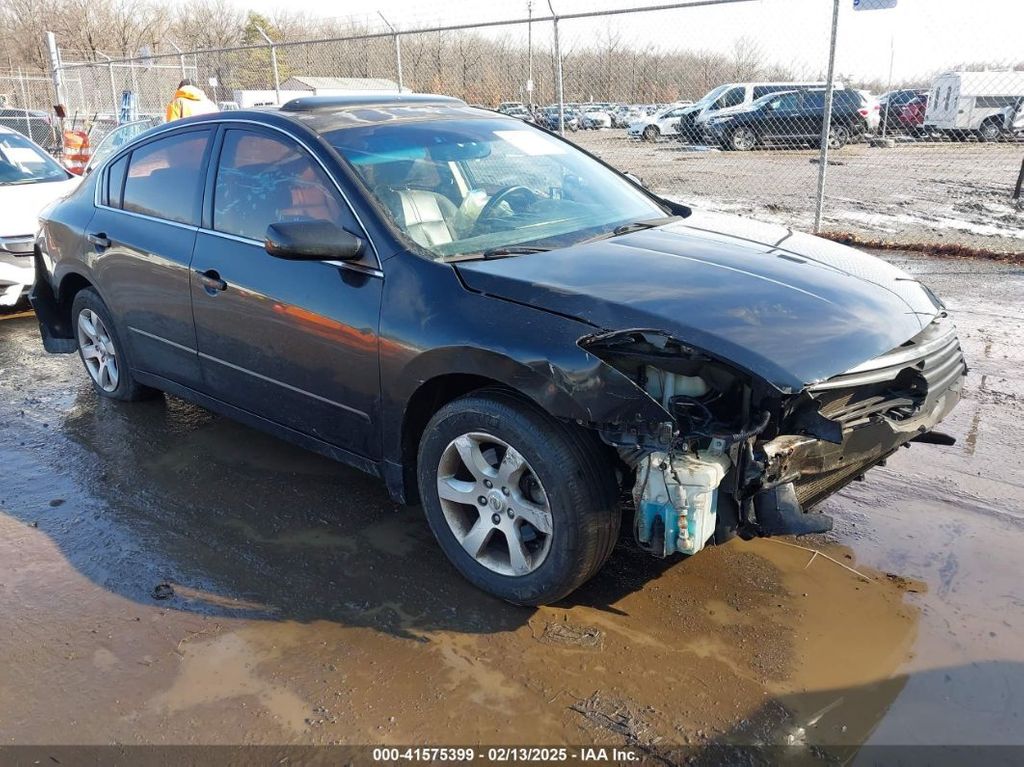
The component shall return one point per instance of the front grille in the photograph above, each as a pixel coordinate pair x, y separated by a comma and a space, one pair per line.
896, 384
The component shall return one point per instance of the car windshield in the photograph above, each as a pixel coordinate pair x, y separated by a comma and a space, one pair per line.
22, 162
461, 187
710, 97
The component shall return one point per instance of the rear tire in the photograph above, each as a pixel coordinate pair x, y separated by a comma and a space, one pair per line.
550, 516
105, 358
989, 131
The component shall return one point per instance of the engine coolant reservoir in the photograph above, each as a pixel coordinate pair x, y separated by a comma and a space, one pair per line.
676, 499
663, 386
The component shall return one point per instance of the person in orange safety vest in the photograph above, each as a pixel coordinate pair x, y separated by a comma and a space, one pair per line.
189, 100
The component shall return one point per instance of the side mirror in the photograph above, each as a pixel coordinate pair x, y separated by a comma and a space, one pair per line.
312, 241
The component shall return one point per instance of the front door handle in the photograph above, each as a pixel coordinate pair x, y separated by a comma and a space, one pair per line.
211, 281
100, 240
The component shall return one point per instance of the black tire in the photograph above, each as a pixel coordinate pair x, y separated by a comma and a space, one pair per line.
651, 133
577, 476
743, 139
990, 130
127, 388
838, 137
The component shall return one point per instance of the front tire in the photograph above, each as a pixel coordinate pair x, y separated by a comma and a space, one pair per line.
651, 133
743, 139
838, 137
525, 506
989, 131
99, 347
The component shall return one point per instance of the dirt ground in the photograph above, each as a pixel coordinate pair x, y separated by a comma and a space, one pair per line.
170, 577
925, 192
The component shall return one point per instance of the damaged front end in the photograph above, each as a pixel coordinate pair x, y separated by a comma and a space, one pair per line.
739, 455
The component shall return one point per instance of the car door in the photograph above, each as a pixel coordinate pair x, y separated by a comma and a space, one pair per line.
147, 216
812, 114
294, 342
781, 116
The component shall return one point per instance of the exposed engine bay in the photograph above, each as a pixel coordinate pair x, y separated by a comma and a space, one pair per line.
737, 455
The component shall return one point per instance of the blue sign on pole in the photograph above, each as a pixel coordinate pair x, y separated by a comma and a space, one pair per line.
873, 5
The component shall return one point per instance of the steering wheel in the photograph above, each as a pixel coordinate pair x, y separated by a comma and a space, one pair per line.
503, 194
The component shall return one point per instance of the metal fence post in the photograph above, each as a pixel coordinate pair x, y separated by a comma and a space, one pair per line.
24, 103
398, 50
558, 73
826, 126
273, 64
56, 71
181, 59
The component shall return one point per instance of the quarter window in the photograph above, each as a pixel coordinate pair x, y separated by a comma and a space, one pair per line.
164, 178
263, 180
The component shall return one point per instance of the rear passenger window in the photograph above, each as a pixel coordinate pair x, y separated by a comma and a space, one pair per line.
816, 99
262, 180
115, 182
164, 177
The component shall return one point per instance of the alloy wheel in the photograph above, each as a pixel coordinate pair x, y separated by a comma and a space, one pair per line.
837, 137
97, 350
494, 504
744, 139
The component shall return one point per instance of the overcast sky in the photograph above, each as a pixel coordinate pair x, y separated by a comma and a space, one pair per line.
927, 34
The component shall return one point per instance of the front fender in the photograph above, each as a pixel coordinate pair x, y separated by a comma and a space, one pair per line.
457, 331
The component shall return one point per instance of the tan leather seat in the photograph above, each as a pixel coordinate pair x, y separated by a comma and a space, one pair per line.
426, 216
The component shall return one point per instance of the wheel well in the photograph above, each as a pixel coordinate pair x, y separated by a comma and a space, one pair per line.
69, 288
425, 401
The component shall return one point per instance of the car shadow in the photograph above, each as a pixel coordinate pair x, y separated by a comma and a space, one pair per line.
165, 503
965, 714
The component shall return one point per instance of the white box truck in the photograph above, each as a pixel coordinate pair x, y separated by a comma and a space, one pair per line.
961, 104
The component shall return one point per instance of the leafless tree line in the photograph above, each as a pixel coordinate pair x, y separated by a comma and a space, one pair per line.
479, 67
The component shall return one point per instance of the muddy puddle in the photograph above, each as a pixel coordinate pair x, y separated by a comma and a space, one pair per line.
303, 607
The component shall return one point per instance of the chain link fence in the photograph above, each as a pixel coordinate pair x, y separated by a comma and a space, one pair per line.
721, 104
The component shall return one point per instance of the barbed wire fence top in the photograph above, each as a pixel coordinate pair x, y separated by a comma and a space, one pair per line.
720, 104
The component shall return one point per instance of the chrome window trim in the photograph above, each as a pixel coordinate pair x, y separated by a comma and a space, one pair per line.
244, 121
147, 217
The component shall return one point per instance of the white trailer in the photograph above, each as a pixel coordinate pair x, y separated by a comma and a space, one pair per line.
962, 103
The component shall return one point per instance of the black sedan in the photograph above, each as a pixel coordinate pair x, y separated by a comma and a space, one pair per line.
497, 324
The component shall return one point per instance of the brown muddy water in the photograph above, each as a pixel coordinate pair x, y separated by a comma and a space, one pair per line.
305, 608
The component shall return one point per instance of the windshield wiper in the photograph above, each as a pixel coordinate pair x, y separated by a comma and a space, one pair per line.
512, 250
635, 226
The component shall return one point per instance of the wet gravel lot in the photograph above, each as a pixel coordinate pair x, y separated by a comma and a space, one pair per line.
168, 576
934, 192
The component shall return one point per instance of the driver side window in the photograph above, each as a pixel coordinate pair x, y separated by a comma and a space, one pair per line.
264, 179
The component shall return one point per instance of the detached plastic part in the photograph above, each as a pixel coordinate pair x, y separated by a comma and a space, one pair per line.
779, 512
676, 500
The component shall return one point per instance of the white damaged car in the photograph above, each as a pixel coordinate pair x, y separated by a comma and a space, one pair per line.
29, 181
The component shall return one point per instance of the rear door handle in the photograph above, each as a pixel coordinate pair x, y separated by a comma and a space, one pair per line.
211, 281
100, 240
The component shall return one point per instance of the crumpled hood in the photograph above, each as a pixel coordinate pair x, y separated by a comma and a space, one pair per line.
21, 204
789, 307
